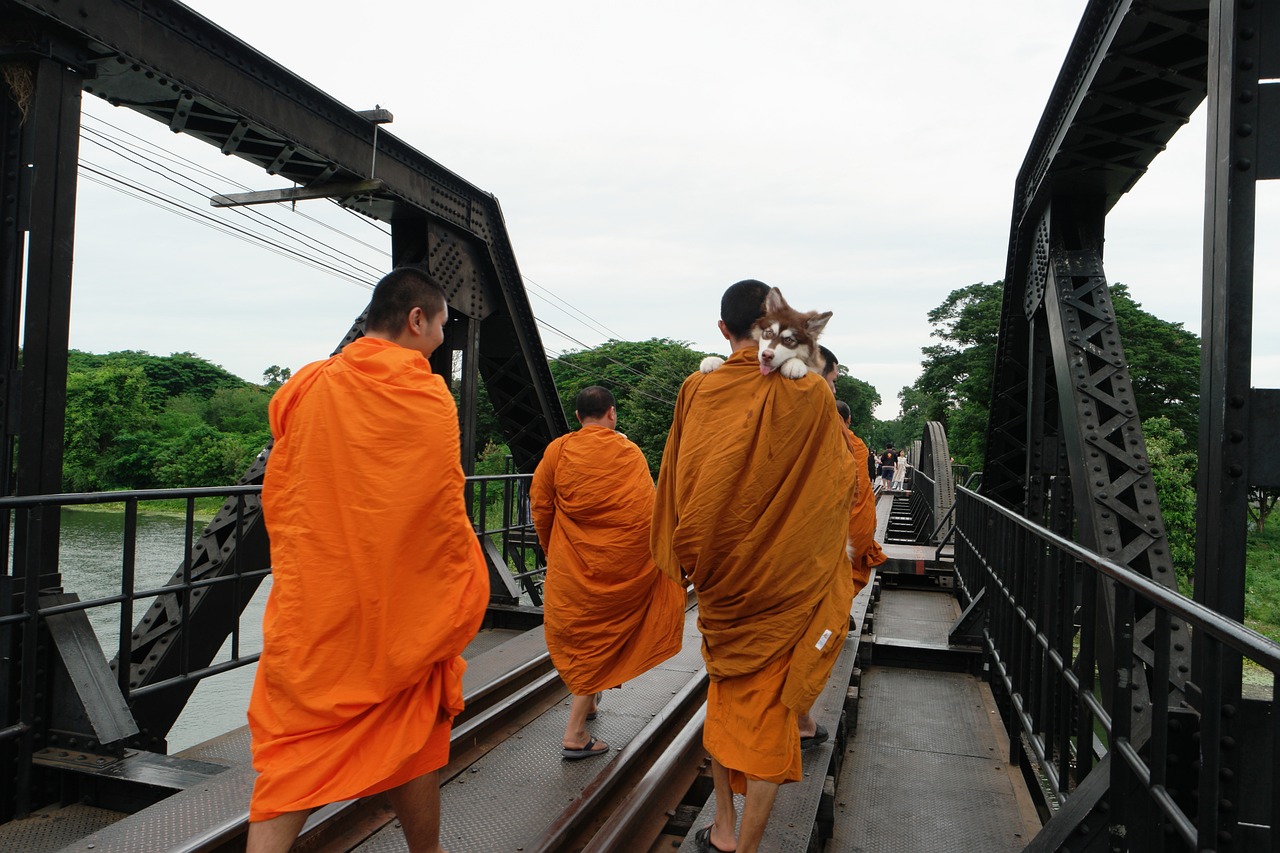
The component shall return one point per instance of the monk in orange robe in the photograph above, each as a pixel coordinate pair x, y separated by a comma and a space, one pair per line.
865, 551
753, 495
379, 582
609, 614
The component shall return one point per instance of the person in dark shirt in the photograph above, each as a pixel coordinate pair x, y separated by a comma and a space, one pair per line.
888, 460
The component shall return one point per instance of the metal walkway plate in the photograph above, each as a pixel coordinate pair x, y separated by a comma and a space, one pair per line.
927, 770
506, 800
207, 807
921, 616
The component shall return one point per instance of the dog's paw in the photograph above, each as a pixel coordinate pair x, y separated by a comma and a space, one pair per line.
710, 364
794, 368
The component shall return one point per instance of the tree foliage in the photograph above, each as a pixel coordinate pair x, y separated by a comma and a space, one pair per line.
1262, 501
644, 376
862, 399
1173, 467
955, 384
136, 420
1164, 364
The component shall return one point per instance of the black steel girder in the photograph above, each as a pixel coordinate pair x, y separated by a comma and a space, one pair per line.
1132, 77
165, 61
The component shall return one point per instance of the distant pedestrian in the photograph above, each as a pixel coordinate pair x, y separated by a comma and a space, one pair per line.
888, 460
900, 472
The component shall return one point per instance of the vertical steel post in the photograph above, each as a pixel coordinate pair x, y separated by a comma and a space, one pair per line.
40, 151
467, 394
51, 144
14, 207
1235, 62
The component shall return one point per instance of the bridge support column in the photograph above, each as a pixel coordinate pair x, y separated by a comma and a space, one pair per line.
1236, 443
40, 126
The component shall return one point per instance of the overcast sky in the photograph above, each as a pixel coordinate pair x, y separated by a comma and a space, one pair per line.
860, 156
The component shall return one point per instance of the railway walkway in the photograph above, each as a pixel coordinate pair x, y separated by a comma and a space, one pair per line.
918, 760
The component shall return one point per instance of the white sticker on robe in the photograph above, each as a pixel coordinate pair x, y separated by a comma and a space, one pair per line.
822, 641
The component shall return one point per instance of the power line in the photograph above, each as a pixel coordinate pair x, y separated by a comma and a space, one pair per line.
600, 327
173, 157
112, 180
190, 184
335, 262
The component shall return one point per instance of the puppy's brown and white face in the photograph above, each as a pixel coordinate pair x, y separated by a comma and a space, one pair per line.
785, 334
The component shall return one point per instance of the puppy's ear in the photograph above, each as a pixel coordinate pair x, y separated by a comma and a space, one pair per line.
773, 301
815, 324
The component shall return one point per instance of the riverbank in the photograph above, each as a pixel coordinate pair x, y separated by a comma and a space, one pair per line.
205, 508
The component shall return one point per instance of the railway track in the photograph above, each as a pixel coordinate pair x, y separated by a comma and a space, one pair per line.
505, 786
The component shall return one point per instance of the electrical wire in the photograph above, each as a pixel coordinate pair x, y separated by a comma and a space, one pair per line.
600, 327
258, 217
108, 179
173, 157
336, 262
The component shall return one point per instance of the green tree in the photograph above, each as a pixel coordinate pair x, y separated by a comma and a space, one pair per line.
644, 376
954, 386
862, 399
1262, 501
201, 456
1164, 364
275, 376
1173, 467
955, 383
103, 404
238, 410
201, 426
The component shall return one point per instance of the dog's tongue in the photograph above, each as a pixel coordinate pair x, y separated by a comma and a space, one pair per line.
765, 369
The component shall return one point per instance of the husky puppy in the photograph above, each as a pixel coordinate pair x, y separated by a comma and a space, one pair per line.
788, 339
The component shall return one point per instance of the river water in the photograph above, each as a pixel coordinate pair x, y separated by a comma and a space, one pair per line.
90, 555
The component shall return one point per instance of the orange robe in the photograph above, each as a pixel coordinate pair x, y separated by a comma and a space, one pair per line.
862, 520
753, 501
609, 614
378, 581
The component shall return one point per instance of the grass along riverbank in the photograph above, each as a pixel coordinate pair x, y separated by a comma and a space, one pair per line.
205, 508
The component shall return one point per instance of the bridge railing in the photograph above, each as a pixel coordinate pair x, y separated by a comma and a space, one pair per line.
1075, 712
499, 507
30, 599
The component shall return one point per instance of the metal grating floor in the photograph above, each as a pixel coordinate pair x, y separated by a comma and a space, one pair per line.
53, 828
927, 771
175, 820
507, 799
792, 817
921, 616
489, 638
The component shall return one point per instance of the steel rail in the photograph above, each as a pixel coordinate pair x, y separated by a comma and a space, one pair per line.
659, 749
670, 776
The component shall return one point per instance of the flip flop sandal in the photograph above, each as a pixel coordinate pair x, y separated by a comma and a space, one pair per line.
703, 839
819, 736
595, 713
593, 747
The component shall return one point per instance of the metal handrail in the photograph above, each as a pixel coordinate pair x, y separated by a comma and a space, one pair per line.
31, 614
1052, 704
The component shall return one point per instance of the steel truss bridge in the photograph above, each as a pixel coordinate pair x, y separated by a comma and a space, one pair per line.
1122, 702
